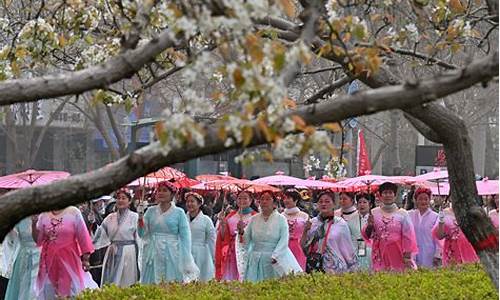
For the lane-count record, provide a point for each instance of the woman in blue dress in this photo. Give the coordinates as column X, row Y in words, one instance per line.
column 202, row 236
column 167, row 240
column 265, row 240
column 27, row 258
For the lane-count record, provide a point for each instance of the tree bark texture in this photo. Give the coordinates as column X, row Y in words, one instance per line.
column 19, row 204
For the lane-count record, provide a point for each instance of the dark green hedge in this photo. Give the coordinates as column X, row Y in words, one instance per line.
column 466, row 282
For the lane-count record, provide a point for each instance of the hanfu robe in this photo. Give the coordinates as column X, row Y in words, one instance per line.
column 264, row 241
column 25, row 270
column 226, row 264
column 64, row 238
column 119, row 234
column 392, row 236
column 456, row 249
column 356, row 222
column 167, row 247
column 7, row 255
column 203, row 245
column 493, row 214
column 339, row 255
column 428, row 246
column 296, row 221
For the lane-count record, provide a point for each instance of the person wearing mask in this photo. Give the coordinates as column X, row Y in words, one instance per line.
column 118, row 232
column 326, row 240
column 265, row 239
column 424, row 219
column 226, row 263
column 296, row 221
column 390, row 231
column 167, row 240
column 202, row 236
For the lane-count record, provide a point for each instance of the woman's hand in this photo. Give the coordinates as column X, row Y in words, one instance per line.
column 241, row 227
column 86, row 262
column 34, row 219
column 370, row 222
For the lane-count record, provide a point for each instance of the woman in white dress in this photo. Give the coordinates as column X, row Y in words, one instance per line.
column 202, row 236
column 119, row 232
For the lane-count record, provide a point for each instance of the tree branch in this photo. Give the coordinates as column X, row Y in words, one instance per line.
column 113, row 70
column 415, row 54
column 328, row 90
column 19, row 204
column 140, row 22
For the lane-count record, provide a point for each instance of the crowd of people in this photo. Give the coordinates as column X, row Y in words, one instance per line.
column 167, row 234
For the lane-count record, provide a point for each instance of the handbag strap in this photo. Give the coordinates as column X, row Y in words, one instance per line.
column 323, row 246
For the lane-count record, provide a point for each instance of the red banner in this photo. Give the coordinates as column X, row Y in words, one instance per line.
column 363, row 160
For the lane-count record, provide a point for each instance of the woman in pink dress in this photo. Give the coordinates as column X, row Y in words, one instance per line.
column 226, row 264
column 296, row 221
column 64, row 259
column 457, row 249
column 391, row 233
column 494, row 212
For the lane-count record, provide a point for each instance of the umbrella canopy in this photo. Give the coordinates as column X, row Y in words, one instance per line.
column 235, row 185
column 369, row 182
column 185, row 182
column 164, row 174
column 167, row 173
column 484, row 187
column 283, row 180
column 212, row 177
column 31, row 178
column 434, row 175
column 280, row 180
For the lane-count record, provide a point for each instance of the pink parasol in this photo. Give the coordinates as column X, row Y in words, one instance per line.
column 283, row 180
column 484, row 187
column 280, row 180
column 369, row 183
column 434, row 175
column 31, row 178
column 235, row 185
column 212, row 177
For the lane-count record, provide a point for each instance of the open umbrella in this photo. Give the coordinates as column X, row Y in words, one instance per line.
column 212, row 177
column 283, row 180
column 31, row 178
column 484, row 187
column 369, row 183
column 185, row 182
column 164, row 174
column 434, row 175
column 167, row 173
column 235, row 185
column 280, row 180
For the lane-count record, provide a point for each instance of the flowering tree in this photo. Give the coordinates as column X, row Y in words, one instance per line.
column 251, row 53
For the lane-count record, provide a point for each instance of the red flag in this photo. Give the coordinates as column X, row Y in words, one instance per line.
column 363, row 161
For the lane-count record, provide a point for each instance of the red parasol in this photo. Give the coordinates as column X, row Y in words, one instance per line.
column 235, row 185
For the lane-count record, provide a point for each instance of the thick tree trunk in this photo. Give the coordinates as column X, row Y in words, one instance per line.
column 473, row 221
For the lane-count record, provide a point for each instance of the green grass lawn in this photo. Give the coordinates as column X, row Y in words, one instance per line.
column 465, row 282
